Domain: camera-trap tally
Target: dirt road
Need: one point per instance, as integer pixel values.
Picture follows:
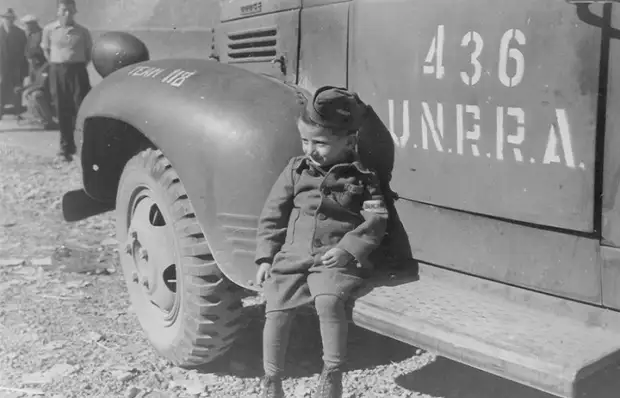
(70, 332)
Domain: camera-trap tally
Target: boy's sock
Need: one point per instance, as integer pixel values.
(334, 329)
(275, 340)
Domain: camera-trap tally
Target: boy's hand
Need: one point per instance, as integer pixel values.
(336, 257)
(262, 273)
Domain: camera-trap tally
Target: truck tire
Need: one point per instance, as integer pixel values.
(188, 309)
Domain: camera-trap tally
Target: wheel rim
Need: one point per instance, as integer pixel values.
(150, 247)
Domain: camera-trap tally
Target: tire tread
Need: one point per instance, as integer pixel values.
(203, 340)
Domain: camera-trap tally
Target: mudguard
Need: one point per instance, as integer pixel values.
(226, 131)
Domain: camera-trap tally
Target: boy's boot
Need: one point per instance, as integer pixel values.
(272, 387)
(330, 384)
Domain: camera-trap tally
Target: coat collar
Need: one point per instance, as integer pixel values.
(305, 163)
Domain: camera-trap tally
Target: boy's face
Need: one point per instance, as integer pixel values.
(324, 147)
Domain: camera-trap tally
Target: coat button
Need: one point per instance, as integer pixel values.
(321, 216)
(318, 243)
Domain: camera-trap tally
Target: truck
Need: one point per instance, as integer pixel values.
(493, 127)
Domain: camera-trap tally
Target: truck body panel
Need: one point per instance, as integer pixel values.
(555, 263)
(323, 46)
(514, 137)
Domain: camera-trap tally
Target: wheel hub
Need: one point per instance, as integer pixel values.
(150, 243)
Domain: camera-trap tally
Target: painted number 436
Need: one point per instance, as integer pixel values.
(434, 65)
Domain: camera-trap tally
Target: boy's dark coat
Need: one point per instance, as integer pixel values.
(306, 214)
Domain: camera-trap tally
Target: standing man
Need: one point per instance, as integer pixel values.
(67, 46)
(13, 64)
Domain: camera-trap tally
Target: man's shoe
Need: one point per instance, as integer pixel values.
(272, 387)
(330, 384)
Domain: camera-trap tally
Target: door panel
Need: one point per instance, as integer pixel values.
(323, 46)
(491, 104)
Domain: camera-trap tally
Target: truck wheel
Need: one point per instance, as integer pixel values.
(189, 310)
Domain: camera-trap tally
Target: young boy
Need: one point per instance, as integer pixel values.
(324, 216)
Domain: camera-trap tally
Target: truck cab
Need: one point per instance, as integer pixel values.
(501, 128)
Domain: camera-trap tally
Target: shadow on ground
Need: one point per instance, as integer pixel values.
(77, 205)
(365, 349)
(448, 379)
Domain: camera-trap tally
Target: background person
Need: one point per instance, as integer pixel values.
(67, 46)
(13, 63)
(37, 94)
(33, 52)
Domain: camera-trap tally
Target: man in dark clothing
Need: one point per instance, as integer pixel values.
(34, 52)
(67, 46)
(13, 63)
(37, 94)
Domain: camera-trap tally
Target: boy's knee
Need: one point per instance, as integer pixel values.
(328, 304)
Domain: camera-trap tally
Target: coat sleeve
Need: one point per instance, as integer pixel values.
(273, 221)
(361, 241)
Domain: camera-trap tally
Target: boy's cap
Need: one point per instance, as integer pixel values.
(67, 2)
(335, 108)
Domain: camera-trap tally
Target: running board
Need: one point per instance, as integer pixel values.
(492, 332)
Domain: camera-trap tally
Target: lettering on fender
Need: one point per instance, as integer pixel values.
(145, 71)
(508, 141)
(176, 78)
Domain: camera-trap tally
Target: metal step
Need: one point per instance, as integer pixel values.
(547, 350)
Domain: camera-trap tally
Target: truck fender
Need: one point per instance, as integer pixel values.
(226, 131)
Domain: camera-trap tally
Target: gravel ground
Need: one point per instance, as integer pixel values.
(71, 332)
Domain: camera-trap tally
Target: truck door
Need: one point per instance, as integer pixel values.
(492, 104)
(261, 36)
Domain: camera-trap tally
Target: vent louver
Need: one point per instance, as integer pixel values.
(256, 45)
